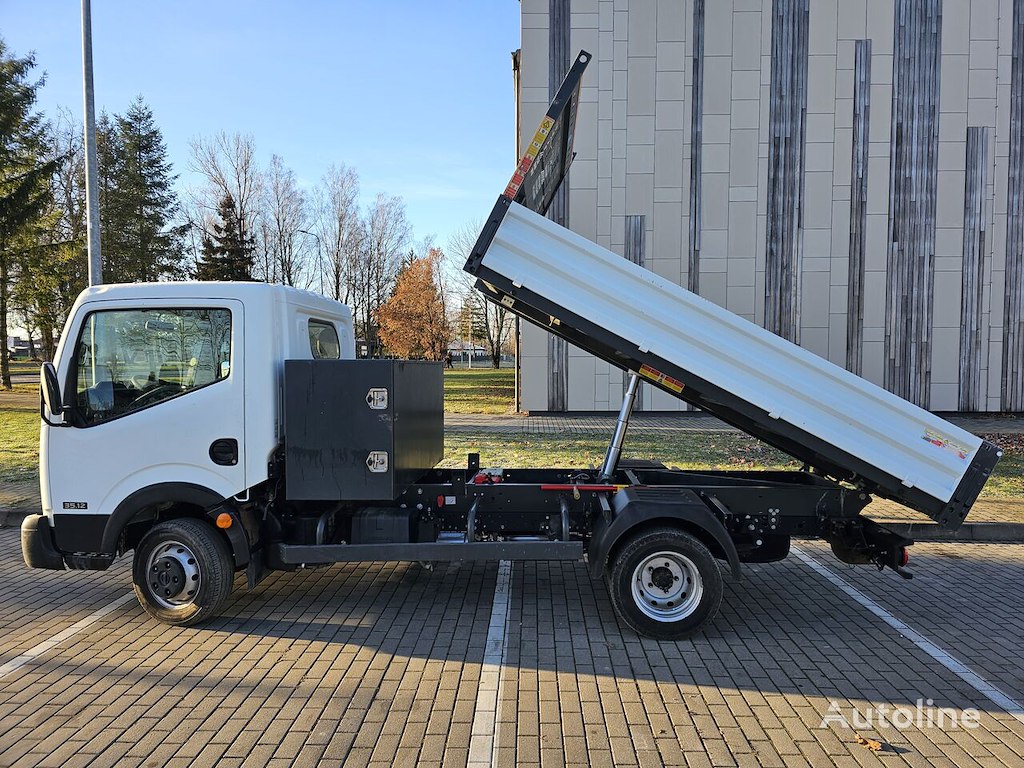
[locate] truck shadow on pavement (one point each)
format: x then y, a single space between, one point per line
782 629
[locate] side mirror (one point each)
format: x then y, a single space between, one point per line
51 389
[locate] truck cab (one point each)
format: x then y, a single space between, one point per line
170 397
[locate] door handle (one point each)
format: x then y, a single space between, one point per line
224 452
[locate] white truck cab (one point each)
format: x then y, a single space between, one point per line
171 395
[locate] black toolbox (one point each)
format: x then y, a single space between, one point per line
360 430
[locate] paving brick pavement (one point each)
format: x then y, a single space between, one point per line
380 664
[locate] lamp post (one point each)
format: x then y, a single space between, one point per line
319 256
467 309
92 201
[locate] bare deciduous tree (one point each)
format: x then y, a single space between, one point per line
198 223
339 229
387 235
497 321
230 167
357 253
282 254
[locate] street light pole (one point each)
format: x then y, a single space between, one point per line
91 169
469 333
319 258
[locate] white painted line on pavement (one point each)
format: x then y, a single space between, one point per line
60 637
483 740
950 662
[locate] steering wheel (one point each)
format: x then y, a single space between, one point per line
157 393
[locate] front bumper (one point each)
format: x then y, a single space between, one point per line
37 545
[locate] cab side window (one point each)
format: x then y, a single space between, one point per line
129 359
323 340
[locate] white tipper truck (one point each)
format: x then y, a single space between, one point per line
214 428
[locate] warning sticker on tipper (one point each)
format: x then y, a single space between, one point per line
660 378
946 444
531 154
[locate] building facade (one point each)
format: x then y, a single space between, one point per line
846 173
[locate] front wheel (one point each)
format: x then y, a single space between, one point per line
664 583
182 572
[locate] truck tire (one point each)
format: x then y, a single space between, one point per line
182 572
665 584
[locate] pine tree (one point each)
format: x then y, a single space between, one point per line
24 177
227 254
151 204
138 201
108 166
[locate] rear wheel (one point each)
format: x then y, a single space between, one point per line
182 572
664 583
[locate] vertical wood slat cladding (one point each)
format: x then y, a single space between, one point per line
1012 394
788 127
633 250
696 143
858 205
914 139
972 342
558 65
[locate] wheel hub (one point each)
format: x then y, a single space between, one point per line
667 586
173 575
662 578
168 577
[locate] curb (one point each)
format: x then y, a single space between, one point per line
1012 533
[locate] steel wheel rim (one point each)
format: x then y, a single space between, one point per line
667 586
173 577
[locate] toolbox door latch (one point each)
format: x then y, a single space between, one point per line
377 461
377 398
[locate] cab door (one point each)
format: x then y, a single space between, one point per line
154 401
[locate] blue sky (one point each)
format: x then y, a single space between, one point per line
416 96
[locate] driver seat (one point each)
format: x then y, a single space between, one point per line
171 373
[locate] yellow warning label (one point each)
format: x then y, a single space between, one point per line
527 160
661 378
